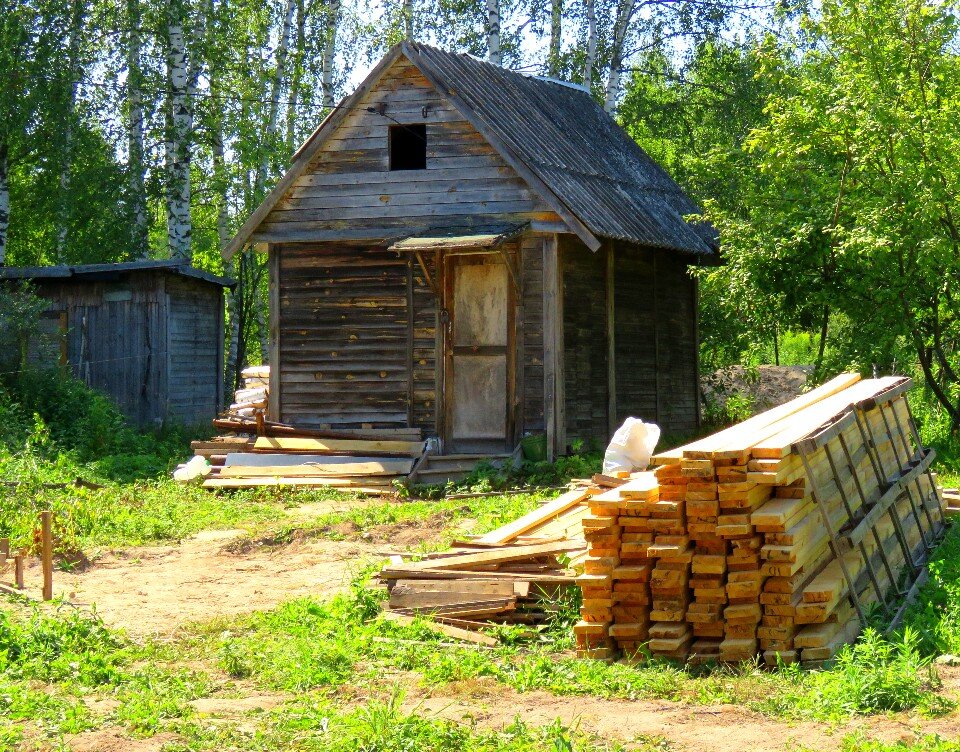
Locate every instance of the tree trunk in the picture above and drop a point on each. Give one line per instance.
(179, 132)
(408, 19)
(625, 10)
(493, 32)
(329, 48)
(276, 90)
(4, 200)
(62, 221)
(591, 60)
(136, 183)
(296, 73)
(556, 34)
(824, 326)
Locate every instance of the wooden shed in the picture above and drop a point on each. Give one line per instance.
(481, 254)
(148, 334)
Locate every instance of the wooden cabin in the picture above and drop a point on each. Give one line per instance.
(481, 254)
(148, 334)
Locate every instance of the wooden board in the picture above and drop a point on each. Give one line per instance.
(738, 438)
(339, 446)
(538, 517)
(312, 470)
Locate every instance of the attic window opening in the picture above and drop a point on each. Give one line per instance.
(408, 147)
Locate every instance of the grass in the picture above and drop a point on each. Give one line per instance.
(344, 672)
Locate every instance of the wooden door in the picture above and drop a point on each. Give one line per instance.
(478, 354)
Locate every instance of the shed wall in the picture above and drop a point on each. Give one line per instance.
(345, 333)
(194, 345)
(654, 340)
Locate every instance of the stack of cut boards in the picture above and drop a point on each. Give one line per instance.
(724, 551)
(253, 396)
(361, 465)
(512, 575)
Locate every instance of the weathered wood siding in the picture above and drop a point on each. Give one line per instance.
(152, 353)
(584, 341)
(345, 335)
(655, 347)
(678, 380)
(194, 346)
(350, 192)
(531, 262)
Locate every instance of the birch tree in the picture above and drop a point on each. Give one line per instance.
(179, 131)
(625, 11)
(332, 22)
(494, 56)
(136, 168)
(590, 59)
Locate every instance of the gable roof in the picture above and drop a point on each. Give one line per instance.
(555, 135)
(101, 272)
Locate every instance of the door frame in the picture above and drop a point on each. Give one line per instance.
(445, 323)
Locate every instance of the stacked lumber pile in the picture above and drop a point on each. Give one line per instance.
(360, 465)
(750, 539)
(252, 397)
(508, 576)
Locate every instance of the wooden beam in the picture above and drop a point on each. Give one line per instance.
(46, 553)
(411, 321)
(548, 512)
(609, 280)
(550, 319)
(445, 629)
(274, 279)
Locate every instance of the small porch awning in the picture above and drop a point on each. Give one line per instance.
(460, 238)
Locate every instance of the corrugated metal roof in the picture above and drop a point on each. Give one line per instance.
(559, 131)
(90, 271)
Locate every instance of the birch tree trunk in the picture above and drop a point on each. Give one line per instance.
(179, 131)
(556, 33)
(493, 32)
(296, 73)
(4, 200)
(625, 10)
(329, 48)
(62, 220)
(276, 90)
(591, 60)
(408, 19)
(136, 184)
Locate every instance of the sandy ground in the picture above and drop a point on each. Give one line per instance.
(714, 728)
(154, 589)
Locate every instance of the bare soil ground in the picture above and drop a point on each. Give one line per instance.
(714, 728)
(152, 590)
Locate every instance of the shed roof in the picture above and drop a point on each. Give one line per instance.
(94, 272)
(556, 136)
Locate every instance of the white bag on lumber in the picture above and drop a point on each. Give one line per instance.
(197, 467)
(631, 446)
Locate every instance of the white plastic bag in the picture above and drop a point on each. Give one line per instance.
(631, 447)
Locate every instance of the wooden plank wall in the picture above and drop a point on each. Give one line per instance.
(344, 331)
(115, 339)
(531, 255)
(635, 340)
(194, 343)
(655, 347)
(349, 191)
(584, 341)
(677, 345)
(424, 347)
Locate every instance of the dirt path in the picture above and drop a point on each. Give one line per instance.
(713, 728)
(152, 590)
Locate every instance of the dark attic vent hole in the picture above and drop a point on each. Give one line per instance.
(408, 147)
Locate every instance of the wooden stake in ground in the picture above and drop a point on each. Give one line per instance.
(46, 543)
